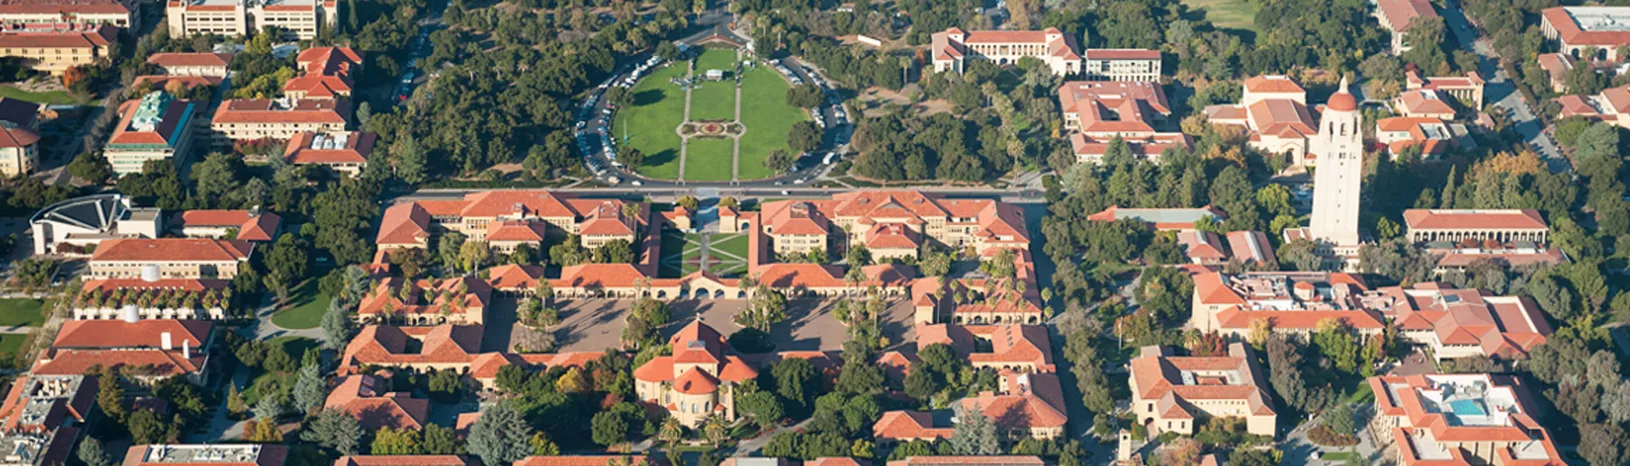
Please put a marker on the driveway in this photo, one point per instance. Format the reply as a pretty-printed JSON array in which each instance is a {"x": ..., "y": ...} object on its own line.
[{"x": 1501, "y": 91}]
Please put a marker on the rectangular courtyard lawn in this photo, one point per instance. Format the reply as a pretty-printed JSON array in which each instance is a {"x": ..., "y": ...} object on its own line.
[
  {"x": 768, "y": 121},
  {"x": 21, "y": 312},
  {"x": 673, "y": 250},
  {"x": 1227, "y": 14},
  {"x": 651, "y": 121},
  {"x": 713, "y": 101},
  {"x": 709, "y": 159},
  {"x": 42, "y": 98},
  {"x": 716, "y": 59},
  {"x": 308, "y": 311}
]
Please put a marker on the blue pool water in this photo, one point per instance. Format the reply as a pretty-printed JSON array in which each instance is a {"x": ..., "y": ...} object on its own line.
[{"x": 1467, "y": 408}]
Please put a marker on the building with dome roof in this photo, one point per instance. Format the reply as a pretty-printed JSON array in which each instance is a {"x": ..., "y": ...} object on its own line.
[{"x": 700, "y": 378}]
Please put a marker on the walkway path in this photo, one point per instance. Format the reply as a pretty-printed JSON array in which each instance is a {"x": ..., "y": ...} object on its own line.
[
  {"x": 266, "y": 330},
  {"x": 702, "y": 265},
  {"x": 735, "y": 141},
  {"x": 684, "y": 141}
]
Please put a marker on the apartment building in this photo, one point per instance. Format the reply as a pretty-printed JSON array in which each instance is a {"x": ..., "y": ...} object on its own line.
[
  {"x": 344, "y": 152},
  {"x": 191, "y": 64},
  {"x": 698, "y": 381},
  {"x": 951, "y": 48},
  {"x": 494, "y": 215},
  {"x": 1122, "y": 65},
  {"x": 1274, "y": 112},
  {"x": 1396, "y": 16},
  {"x": 55, "y": 50},
  {"x": 19, "y": 136},
  {"x": 1458, "y": 419},
  {"x": 1173, "y": 393},
  {"x": 301, "y": 18},
  {"x": 173, "y": 257},
  {"x": 1579, "y": 29},
  {"x": 282, "y": 119},
  {"x": 156, "y": 127},
  {"x": 1477, "y": 226},
  {"x": 796, "y": 227}
]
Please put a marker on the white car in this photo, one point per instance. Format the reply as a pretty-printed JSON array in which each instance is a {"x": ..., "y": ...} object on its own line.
[{"x": 636, "y": 183}]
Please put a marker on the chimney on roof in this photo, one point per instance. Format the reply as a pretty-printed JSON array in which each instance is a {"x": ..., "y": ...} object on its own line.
[
  {"x": 186, "y": 349},
  {"x": 164, "y": 341}
]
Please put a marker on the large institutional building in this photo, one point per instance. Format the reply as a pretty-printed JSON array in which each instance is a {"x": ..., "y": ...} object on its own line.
[
  {"x": 56, "y": 50},
  {"x": 1097, "y": 112},
  {"x": 156, "y": 127},
  {"x": 1461, "y": 419},
  {"x": 1396, "y": 15},
  {"x": 699, "y": 380},
  {"x": 1174, "y": 393},
  {"x": 894, "y": 223},
  {"x": 953, "y": 47},
  {"x": 19, "y": 136},
  {"x": 1577, "y": 29},
  {"x": 256, "y": 119},
  {"x": 509, "y": 218},
  {"x": 1123, "y": 65},
  {"x": 1273, "y": 110},
  {"x": 302, "y": 18}
]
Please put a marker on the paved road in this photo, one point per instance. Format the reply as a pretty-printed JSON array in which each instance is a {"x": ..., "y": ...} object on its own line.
[{"x": 1502, "y": 92}]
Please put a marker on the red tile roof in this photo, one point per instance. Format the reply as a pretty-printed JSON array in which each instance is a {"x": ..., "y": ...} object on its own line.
[
  {"x": 358, "y": 146},
  {"x": 368, "y": 398},
  {"x": 1400, "y": 13},
  {"x": 1569, "y": 31},
  {"x": 98, "y": 38},
  {"x": 1272, "y": 84},
  {"x": 118, "y": 334},
  {"x": 269, "y": 111},
  {"x": 268, "y": 455},
  {"x": 579, "y": 460},
  {"x": 405, "y": 460},
  {"x": 172, "y": 250},
  {"x": 404, "y": 224},
  {"x": 1469, "y": 219},
  {"x": 388, "y": 345}
]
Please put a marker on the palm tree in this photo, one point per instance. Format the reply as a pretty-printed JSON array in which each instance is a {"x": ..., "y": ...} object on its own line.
[
  {"x": 672, "y": 431},
  {"x": 716, "y": 429}
]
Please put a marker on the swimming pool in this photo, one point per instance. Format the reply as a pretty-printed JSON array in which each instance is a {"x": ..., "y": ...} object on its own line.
[{"x": 1467, "y": 408}]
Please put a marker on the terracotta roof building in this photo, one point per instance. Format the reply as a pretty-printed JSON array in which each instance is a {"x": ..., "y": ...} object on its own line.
[
  {"x": 1122, "y": 65},
  {"x": 1274, "y": 112},
  {"x": 1459, "y": 256},
  {"x": 245, "y": 225},
  {"x": 698, "y": 380},
  {"x": 419, "y": 348},
  {"x": 1577, "y": 29},
  {"x": 1556, "y": 66},
  {"x": 405, "y": 460},
  {"x": 43, "y": 416},
  {"x": 256, "y": 119},
  {"x": 798, "y": 226},
  {"x": 1202, "y": 247},
  {"x": 459, "y": 301},
  {"x": 345, "y": 152},
  {"x": 1291, "y": 302},
  {"x": 192, "y": 64},
  {"x": 1101, "y": 111},
  {"x": 978, "y": 301},
  {"x": 1396, "y": 15},
  {"x": 1456, "y": 225},
  {"x": 1015, "y": 348},
  {"x": 147, "y": 350},
  {"x": 174, "y": 257},
  {"x": 165, "y": 298},
  {"x": 157, "y": 127},
  {"x": 1459, "y": 323},
  {"x": 968, "y": 461},
  {"x": 1467, "y": 91},
  {"x": 301, "y": 18},
  {"x": 1025, "y": 406},
  {"x": 950, "y": 48},
  {"x": 1458, "y": 420},
  {"x": 34, "y": 15},
  {"x": 1250, "y": 247},
  {"x": 1611, "y": 106},
  {"x": 583, "y": 460},
  {"x": 369, "y": 399},
  {"x": 19, "y": 136},
  {"x": 508, "y": 218},
  {"x": 55, "y": 50},
  {"x": 1172, "y": 393},
  {"x": 1431, "y": 134},
  {"x": 326, "y": 73},
  {"x": 210, "y": 454},
  {"x": 1162, "y": 219}
]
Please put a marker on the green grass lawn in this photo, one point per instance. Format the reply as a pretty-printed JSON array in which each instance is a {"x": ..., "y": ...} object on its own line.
[
  {"x": 673, "y": 250},
  {"x": 708, "y": 159},
  {"x": 713, "y": 101},
  {"x": 10, "y": 344},
  {"x": 716, "y": 59},
  {"x": 651, "y": 121},
  {"x": 1227, "y": 14},
  {"x": 45, "y": 98},
  {"x": 21, "y": 312},
  {"x": 692, "y": 254},
  {"x": 731, "y": 244},
  {"x": 768, "y": 121},
  {"x": 310, "y": 305},
  {"x": 268, "y": 383}
]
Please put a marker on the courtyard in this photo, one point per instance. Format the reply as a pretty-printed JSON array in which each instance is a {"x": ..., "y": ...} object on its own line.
[{"x": 748, "y": 95}]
